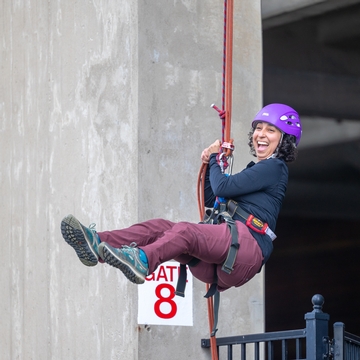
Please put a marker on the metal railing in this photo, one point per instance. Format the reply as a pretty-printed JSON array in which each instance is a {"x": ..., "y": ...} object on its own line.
[
  {"x": 310, "y": 343},
  {"x": 272, "y": 344},
  {"x": 345, "y": 346}
]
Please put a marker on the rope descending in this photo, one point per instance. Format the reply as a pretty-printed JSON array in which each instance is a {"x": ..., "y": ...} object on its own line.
[{"x": 224, "y": 157}]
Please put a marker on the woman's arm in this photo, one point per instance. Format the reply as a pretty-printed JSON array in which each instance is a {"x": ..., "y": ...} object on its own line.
[
  {"x": 252, "y": 179},
  {"x": 209, "y": 196}
]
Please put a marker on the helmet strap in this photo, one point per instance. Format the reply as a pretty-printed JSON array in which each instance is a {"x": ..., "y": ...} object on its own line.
[{"x": 275, "y": 153}]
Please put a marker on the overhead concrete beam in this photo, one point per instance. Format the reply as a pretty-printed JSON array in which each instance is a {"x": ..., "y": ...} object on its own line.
[
  {"x": 321, "y": 131},
  {"x": 278, "y": 12},
  {"x": 339, "y": 26},
  {"x": 314, "y": 93}
]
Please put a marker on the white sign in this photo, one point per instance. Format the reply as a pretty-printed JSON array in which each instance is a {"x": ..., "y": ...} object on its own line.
[{"x": 157, "y": 302}]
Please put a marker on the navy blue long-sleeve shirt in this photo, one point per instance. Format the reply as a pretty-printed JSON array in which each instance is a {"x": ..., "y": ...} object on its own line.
[{"x": 259, "y": 189}]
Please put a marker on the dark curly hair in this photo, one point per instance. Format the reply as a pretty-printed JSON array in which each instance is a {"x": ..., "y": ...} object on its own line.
[{"x": 287, "y": 150}]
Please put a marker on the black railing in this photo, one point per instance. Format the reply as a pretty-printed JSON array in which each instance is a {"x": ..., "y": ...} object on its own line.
[
  {"x": 346, "y": 346},
  {"x": 274, "y": 342},
  {"x": 311, "y": 343}
]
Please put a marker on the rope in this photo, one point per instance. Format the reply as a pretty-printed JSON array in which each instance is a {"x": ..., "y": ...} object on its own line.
[
  {"x": 228, "y": 68},
  {"x": 226, "y": 127},
  {"x": 223, "y": 103}
]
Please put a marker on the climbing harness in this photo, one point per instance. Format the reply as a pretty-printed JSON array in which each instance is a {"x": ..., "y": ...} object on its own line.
[
  {"x": 224, "y": 212},
  {"x": 249, "y": 220}
]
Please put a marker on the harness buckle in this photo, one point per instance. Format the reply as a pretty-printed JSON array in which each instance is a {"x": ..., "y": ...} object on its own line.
[{"x": 256, "y": 224}]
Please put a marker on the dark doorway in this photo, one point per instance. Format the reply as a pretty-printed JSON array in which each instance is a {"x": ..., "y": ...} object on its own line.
[
  {"x": 318, "y": 246},
  {"x": 312, "y": 64}
]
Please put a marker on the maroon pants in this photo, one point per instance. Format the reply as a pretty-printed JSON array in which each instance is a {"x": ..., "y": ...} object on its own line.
[{"x": 163, "y": 240}]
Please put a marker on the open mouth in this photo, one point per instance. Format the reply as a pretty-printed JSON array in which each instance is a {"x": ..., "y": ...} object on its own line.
[{"x": 262, "y": 145}]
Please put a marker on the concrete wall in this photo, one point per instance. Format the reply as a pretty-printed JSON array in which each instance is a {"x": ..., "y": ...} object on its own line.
[{"x": 105, "y": 109}]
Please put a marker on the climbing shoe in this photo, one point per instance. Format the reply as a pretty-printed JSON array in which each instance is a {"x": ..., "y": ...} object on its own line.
[
  {"x": 84, "y": 240},
  {"x": 127, "y": 259}
]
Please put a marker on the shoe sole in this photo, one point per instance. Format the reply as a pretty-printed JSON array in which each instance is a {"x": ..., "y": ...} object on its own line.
[
  {"x": 111, "y": 258},
  {"x": 74, "y": 235}
]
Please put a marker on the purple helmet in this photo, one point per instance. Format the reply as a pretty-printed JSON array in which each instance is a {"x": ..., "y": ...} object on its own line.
[{"x": 283, "y": 117}]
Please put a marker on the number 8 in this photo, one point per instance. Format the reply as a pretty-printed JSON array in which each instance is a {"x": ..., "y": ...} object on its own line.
[{"x": 168, "y": 300}]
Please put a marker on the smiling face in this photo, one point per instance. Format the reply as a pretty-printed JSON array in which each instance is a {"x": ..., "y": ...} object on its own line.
[{"x": 266, "y": 138}]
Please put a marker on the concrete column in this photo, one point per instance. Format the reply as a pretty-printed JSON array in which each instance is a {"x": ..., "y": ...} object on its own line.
[{"x": 105, "y": 109}]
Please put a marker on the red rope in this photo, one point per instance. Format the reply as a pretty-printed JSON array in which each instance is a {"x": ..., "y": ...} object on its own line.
[
  {"x": 210, "y": 303},
  {"x": 224, "y": 75},
  {"x": 228, "y": 68},
  {"x": 226, "y": 127}
]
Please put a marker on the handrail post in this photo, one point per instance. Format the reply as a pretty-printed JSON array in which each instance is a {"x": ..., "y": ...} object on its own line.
[
  {"x": 339, "y": 343},
  {"x": 317, "y": 331}
]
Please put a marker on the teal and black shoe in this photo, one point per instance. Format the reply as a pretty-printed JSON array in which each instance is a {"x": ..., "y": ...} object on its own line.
[
  {"x": 84, "y": 240},
  {"x": 127, "y": 259}
]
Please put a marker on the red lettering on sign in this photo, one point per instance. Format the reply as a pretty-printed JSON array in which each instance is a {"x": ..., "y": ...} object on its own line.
[
  {"x": 168, "y": 300},
  {"x": 151, "y": 277},
  {"x": 172, "y": 268},
  {"x": 164, "y": 273}
]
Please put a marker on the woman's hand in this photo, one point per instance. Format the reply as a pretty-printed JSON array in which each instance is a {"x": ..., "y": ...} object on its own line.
[{"x": 213, "y": 148}]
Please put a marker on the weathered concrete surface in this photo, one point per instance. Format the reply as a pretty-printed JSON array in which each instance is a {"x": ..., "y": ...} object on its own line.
[{"x": 105, "y": 108}]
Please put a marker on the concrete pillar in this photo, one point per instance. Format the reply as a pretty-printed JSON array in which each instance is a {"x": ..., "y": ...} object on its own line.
[{"x": 105, "y": 109}]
